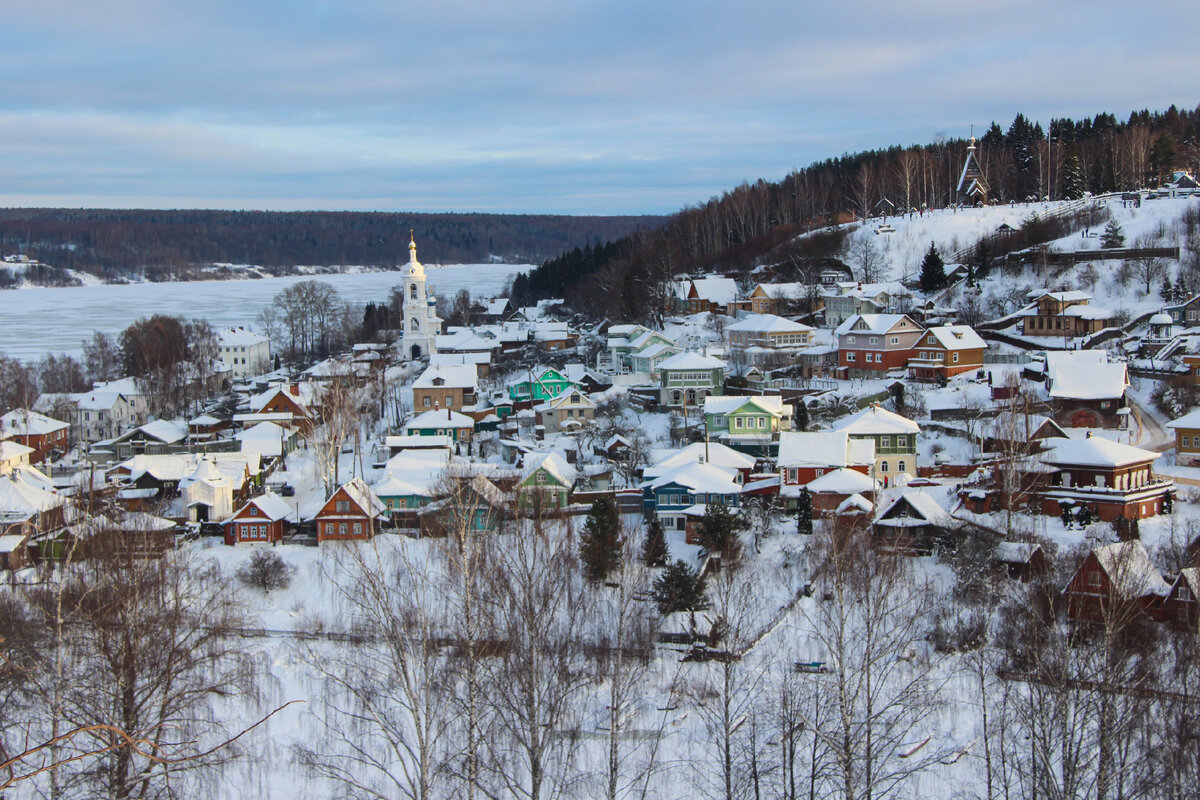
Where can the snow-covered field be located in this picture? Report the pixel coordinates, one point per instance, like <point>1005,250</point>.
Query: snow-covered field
<point>40,321</point>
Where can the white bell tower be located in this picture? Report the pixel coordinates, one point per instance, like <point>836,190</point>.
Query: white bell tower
<point>421,323</point>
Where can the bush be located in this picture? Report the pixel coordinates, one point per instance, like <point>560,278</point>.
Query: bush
<point>266,571</point>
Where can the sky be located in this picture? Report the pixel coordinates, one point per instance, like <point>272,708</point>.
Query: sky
<point>527,106</point>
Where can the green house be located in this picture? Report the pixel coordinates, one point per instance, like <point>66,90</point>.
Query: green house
<point>687,378</point>
<point>546,482</point>
<point>538,385</point>
<point>746,417</point>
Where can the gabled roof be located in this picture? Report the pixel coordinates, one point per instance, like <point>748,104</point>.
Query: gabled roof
<point>1130,570</point>
<point>728,404</point>
<point>21,422</point>
<point>713,453</point>
<point>914,507</point>
<point>552,463</point>
<point>780,290</point>
<point>877,324</point>
<point>440,418</point>
<point>706,478</point>
<point>721,291</point>
<point>955,337</point>
<point>874,420</point>
<point>767,323</point>
<point>855,504</point>
<point>239,337</point>
<point>1189,420</point>
<point>1089,381</point>
<point>842,481</point>
<point>362,496</point>
<point>452,376</point>
<point>272,506</point>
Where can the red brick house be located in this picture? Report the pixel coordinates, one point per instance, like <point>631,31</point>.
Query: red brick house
<point>870,345</point>
<point>44,434</point>
<point>353,512</point>
<point>944,351</point>
<point>262,519</point>
<point>1114,480</point>
<point>1112,575</point>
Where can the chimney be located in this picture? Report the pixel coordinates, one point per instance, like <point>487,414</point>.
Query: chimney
<point>448,413</point>
<point>295,389</point>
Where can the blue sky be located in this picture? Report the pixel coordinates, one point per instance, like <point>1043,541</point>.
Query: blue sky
<point>533,107</point>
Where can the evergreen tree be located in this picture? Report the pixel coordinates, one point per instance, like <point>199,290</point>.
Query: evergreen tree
<point>600,544</point>
<point>654,549</point>
<point>1162,157</point>
<point>802,420</point>
<point>933,271</point>
<point>678,588</point>
<point>1072,186</point>
<point>1113,236</point>
<point>1167,292</point>
<point>719,532</point>
<point>804,519</point>
<point>1068,519</point>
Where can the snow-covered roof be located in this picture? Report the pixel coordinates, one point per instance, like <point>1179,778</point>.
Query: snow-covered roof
<point>691,360</point>
<point>20,422</point>
<point>1016,552</point>
<point>706,478</point>
<point>1088,381</point>
<point>440,418</point>
<point>1063,297</point>
<point>722,291</point>
<point>1161,318</point>
<point>1094,451</point>
<point>239,337</point>
<point>163,430</point>
<point>22,498</point>
<point>456,376</point>
<point>363,497</point>
<point>204,420</point>
<point>855,504</point>
<point>10,450</point>
<point>767,323</point>
<point>1189,420</point>
<point>1089,312</point>
<point>842,481</point>
<point>873,323</point>
<point>782,290</point>
<point>1130,569</point>
<point>823,449</point>
<point>875,419</point>
<point>957,337</point>
<point>553,463</point>
<point>924,506</point>
<point>272,506</point>
<point>727,404</point>
<point>206,472</point>
<point>712,452</point>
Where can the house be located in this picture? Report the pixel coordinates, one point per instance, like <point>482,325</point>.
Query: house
<point>670,495</point>
<point>1114,480</point>
<point>13,455</point>
<point>298,401</point>
<point>44,435</point>
<point>1187,438</point>
<point>207,493</point>
<point>267,439</point>
<point>1020,560</point>
<point>1015,433</point>
<point>944,351</point>
<point>715,453</point>
<point>352,512</point>
<point>15,552</point>
<point>1186,313</point>
<point>1064,315</point>
<point>1114,578</point>
<point>744,421</point>
<point>649,350</point>
<point>714,295</point>
<point>154,438</point>
<point>850,299</point>
<point>871,345</point>
<point>205,428</point>
<point>834,488</point>
<point>767,340</point>
<point>245,352</point>
<point>779,298</point>
<point>450,386</point>
<point>1179,607</point>
<point>29,505</point>
<point>478,503</point>
<point>895,439</point>
<point>545,483</point>
<point>809,455</point>
<point>1085,390</point>
<point>94,416</point>
<point>687,378</point>
<point>262,519</point>
<point>914,523</point>
<point>589,380</point>
<point>537,384</point>
<point>568,412</point>
<point>441,422</point>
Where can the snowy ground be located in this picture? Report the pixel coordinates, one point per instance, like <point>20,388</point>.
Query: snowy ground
<point>41,320</point>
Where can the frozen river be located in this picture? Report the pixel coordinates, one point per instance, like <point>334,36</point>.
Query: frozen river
<point>40,321</point>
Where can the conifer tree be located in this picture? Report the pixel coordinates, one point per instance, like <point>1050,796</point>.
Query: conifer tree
<point>933,271</point>
<point>600,545</point>
<point>802,420</point>
<point>804,518</point>
<point>1167,292</point>
<point>678,588</point>
<point>1072,185</point>
<point>719,532</point>
<point>654,550</point>
<point>1113,236</point>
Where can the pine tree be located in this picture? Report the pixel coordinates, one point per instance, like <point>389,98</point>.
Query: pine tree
<point>802,420</point>
<point>933,271</point>
<point>1072,184</point>
<point>678,588</point>
<point>719,532</point>
<point>1113,236</point>
<point>804,519</point>
<point>1167,292</point>
<point>654,550</point>
<point>600,545</point>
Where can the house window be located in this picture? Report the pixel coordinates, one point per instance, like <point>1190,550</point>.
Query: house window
<point>955,358</point>
<point>253,511</point>
<point>449,400</point>
<point>342,505</point>
<point>874,340</point>
<point>1094,578</point>
<point>1186,443</point>
<point>792,475</point>
<point>358,529</point>
<point>901,466</point>
<point>894,340</point>
<point>1185,594</point>
<point>885,441</point>
<point>850,356</point>
<point>426,401</point>
<point>849,340</point>
<point>342,528</point>
<point>541,477</point>
<point>883,466</point>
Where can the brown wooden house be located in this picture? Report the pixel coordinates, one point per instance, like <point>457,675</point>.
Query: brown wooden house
<point>1117,579</point>
<point>352,513</point>
<point>1180,608</point>
<point>262,519</point>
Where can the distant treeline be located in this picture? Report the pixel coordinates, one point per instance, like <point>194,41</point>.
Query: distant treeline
<point>164,244</point>
<point>756,223</point>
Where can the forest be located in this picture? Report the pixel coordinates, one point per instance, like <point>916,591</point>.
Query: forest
<point>165,245</point>
<point>758,223</point>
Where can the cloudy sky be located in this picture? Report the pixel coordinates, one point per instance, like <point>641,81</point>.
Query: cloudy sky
<point>531,106</point>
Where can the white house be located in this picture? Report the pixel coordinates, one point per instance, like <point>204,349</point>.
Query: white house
<point>245,352</point>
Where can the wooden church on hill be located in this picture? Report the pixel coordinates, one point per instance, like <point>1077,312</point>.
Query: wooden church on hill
<point>972,185</point>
